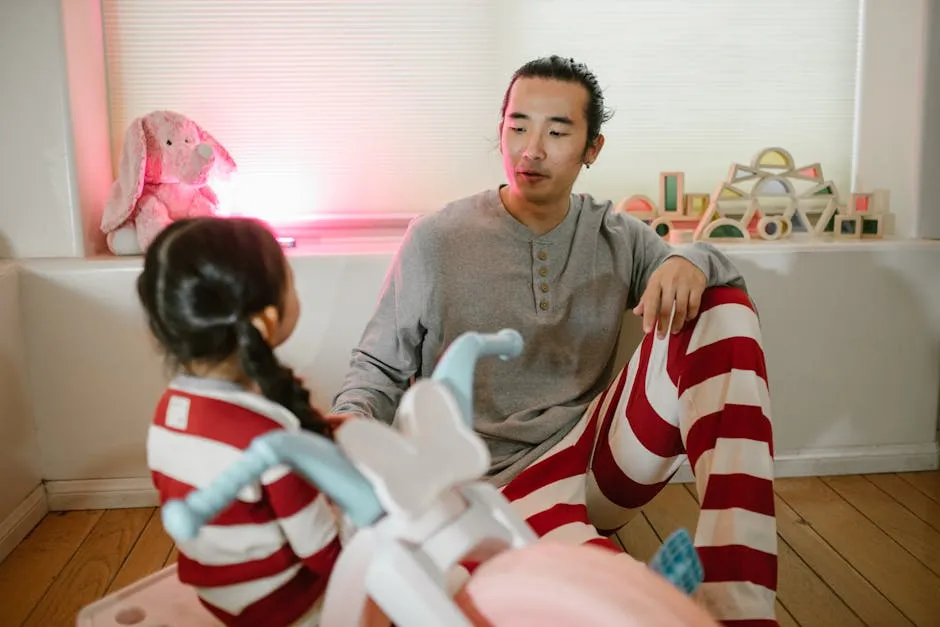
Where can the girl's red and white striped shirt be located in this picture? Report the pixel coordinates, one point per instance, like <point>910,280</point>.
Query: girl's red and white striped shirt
<point>266,559</point>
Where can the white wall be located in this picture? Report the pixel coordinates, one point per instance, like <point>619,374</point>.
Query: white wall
<point>929,218</point>
<point>852,339</point>
<point>891,118</point>
<point>39,215</point>
<point>19,455</point>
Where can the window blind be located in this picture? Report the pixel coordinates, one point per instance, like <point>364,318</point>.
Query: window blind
<point>391,106</point>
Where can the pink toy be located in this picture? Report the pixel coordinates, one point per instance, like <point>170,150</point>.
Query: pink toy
<point>167,164</point>
<point>549,584</point>
<point>156,600</point>
<point>546,584</point>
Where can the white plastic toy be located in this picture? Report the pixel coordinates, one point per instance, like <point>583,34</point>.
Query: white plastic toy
<point>413,493</point>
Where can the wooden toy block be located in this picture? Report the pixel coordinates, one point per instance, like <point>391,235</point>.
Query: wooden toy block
<point>773,158</point>
<point>873,226</point>
<point>740,173</point>
<point>682,224</point>
<point>861,203</point>
<point>773,186</point>
<point>876,217</point>
<point>639,206</point>
<point>725,230</point>
<point>726,191</point>
<point>710,215</point>
<point>729,205</point>
<point>887,224</point>
<point>799,221</point>
<point>880,201</point>
<point>825,222</point>
<point>802,186</point>
<point>747,213</point>
<point>752,217</point>
<point>812,172</point>
<point>847,226</point>
<point>662,226</point>
<point>680,236</point>
<point>769,199</point>
<point>672,192</point>
<point>773,228</point>
<point>696,205</point>
<point>824,189</point>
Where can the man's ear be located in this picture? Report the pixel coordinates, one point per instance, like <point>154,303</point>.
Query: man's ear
<point>499,136</point>
<point>267,322</point>
<point>593,150</point>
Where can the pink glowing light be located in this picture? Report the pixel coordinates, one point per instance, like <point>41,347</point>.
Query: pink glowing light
<point>279,199</point>
<point>287,204</point>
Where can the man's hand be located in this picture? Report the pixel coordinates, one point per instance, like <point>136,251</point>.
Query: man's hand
<point>676,282</point>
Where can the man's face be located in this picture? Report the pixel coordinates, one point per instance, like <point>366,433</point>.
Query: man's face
<point>543,135</point>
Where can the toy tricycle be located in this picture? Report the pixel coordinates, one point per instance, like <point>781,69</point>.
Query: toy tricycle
<point>412,491</point>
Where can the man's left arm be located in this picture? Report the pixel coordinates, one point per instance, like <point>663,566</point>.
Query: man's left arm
<point>664,278</point>
<point>718,269</point>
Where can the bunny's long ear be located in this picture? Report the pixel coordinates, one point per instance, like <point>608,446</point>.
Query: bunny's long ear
<point>224,166</point>
<point>129,183</point>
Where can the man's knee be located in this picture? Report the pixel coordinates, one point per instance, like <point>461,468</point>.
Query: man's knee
<point>725,337</point>
<point>725,295</point>
<point>725,312</point>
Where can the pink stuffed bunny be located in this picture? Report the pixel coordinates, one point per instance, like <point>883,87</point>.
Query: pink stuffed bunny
<point>167,162</point>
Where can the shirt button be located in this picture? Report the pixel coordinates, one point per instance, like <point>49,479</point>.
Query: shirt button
<point>543,305</point>
<point>543,271</point>
<point>543,255</point>
<point>543,287</point>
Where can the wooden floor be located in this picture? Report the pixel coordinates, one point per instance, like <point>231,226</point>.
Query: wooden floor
<point>855,550</point>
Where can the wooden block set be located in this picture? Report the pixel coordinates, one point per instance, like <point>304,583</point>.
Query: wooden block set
<point>770,199</point>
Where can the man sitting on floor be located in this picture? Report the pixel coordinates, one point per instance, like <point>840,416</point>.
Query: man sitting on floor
<point>562,269</point>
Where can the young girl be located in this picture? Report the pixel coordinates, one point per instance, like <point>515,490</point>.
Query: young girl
<point>219,297</point>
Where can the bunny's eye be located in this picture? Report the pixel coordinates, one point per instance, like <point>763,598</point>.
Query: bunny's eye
<point>169,142</point>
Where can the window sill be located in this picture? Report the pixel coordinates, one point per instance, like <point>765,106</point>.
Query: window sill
<point>809,245</point>
<point>387,245</point>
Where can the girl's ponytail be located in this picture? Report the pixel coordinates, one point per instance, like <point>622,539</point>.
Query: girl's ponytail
<point>276,381</point>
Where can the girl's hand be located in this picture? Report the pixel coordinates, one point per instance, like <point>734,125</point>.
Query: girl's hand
<point>336,420</point>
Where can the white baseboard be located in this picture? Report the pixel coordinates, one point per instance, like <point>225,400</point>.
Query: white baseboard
<point>854,460</point>
<point>22,520</point>
<point>101,494</point>
<point>139,491</point>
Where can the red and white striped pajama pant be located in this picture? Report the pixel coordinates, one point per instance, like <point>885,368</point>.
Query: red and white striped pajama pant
<point>701,393</point>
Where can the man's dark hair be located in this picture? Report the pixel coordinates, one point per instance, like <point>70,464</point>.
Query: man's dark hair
<point>571,71</point>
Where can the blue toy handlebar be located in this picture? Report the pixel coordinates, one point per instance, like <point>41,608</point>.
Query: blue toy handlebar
<point>456,367</point>
<point>319,460</point>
